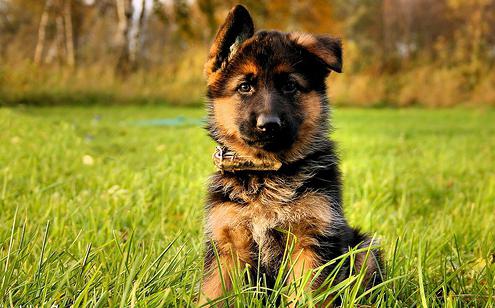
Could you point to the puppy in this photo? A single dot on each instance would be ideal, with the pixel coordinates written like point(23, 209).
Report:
point(278, 171)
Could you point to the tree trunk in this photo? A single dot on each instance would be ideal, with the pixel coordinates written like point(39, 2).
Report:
point(69, 37)
point(40, 44)
point(137, 36)
point(60, 40)
point(56, 52)
point(124, 13)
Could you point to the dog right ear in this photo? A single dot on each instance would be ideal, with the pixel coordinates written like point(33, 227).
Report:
point(325, 48)
point(237, 28)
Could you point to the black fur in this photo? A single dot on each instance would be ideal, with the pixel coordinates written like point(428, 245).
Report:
point(310, 163)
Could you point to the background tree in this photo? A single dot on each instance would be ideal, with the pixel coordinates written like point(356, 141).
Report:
point(58, 15)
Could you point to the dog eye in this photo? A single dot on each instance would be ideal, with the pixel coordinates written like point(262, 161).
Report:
point(244, 87)
point(289, 87)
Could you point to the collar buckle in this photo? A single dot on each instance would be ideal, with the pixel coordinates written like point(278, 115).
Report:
point(228, 160)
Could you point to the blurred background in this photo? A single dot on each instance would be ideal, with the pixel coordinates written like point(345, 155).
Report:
point(433, 53)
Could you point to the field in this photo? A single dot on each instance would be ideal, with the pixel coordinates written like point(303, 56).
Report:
point(99, 208)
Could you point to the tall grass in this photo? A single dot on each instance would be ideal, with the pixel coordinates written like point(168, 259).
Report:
point(183, 83)
point(179, 83)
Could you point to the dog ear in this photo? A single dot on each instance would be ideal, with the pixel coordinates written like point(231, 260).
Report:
point(237, 28)
point(326, 48)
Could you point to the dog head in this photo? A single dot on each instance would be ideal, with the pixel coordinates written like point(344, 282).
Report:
point(266, 90)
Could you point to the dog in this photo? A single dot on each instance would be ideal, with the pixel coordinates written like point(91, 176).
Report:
point(278, 171)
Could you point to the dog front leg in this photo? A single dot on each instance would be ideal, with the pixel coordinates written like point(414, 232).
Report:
point(217, 280)
point(231, 253)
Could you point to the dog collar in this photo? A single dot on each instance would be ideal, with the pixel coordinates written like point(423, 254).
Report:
point(228, 160)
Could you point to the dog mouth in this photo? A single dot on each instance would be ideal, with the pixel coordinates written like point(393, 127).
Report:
point(271, 141)
point(271, 144)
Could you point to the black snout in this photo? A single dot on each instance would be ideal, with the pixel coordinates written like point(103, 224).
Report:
point(268, 123)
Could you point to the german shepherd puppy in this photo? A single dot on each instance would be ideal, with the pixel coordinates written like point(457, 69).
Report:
point(268, 112)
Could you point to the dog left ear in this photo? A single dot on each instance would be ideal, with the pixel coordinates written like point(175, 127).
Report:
point(237, 28)
point(328, 49)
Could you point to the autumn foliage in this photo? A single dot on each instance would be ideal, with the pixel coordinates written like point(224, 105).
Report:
point(397, 52)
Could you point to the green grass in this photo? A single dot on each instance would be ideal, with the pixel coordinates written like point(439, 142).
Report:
point(98, 211)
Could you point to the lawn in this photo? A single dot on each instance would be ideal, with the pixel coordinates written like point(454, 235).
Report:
point(98, 208)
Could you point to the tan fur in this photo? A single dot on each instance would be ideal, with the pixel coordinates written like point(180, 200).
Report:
point(303, 261)
point(249, 67)
point(283, 68)
point(212, 284)
point(212, 77)
point(269, 202)
point(235, 226)
point(225, 112)
point(246, 68)
point(303, 39)
point(309, 129)
point(251, 215)
point(233, 241)
point(311, 44)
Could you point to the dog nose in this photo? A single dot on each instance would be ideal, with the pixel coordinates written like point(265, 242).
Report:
point(268, 123)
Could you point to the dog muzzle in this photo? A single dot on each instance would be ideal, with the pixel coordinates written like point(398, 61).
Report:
point(227, 160)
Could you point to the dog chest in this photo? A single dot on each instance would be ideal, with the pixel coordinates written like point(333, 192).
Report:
point(307, 216)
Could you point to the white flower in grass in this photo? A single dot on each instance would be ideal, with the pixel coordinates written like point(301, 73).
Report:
point(117, 192)
point(15, 140)
point(88, 160)
point(160, 148)
point(56, 196)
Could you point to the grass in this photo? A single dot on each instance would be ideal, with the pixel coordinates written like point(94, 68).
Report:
point(98, 211)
